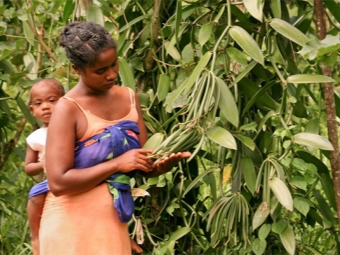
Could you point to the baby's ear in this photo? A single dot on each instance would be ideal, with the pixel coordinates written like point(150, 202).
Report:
point(31, 109)
point(76, 69)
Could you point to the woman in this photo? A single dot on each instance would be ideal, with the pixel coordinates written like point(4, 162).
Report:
point(78, 216)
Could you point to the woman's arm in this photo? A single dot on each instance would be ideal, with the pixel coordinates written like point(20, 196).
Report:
point(63, 178)
point(32, 166)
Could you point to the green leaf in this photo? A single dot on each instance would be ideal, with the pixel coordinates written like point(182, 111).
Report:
point(56, 5)
point(222, 137)
point(279, 226)
point(255, 8)
point(172, 51)
point(179, 233)
point(281, 192)
point(334, 8)
point(205, 33)
point(247, 141)
point(249, 173)
point(264, 231)
point(68, 10)
point(301, 205)
point(288, 239)
point(28, 33)
point(95, 15)
point(227, 103)
point(275, 5)
point(259, 246)
point(134, 21)
point(309, 78)
point(324, 207)
point(26, 112)
point(312, 140)
point(126, 73)
point(247, 43)
point(260, 215)
point(316, 48)
point(299, 182)
point(163, 87)
point(289, 31)
point(237, 55)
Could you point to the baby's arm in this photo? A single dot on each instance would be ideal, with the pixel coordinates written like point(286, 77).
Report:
point(32, 166)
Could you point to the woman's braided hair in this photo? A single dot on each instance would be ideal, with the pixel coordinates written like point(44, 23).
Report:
point(84, 41)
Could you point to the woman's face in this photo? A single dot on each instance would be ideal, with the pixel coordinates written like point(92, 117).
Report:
point(103, 74)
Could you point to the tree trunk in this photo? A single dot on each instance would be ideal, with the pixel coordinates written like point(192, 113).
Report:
point(330, 109)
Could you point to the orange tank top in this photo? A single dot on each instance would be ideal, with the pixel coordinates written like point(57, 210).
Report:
point(96, 125)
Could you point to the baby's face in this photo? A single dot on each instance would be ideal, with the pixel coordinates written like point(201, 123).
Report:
point(43, 99)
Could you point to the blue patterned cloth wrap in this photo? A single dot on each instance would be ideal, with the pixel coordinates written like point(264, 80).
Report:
point(112, 142)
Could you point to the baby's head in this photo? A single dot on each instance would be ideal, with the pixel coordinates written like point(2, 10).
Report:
point(43, 96)
point(84, 41)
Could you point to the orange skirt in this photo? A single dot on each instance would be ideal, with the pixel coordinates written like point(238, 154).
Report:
point(86, 224)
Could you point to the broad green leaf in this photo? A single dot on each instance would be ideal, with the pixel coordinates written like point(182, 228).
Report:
point(309, 78)
point(259, 246)
point(260, 215)
point(288, 239)
point(222, 137)
point(289, 31)
point(324, 207)
point(301, 205)
point(31, 66)
point(227, 103)
point(247, 141)
point(255, 8)
point(279, 226)
point(163, 87)
point(205, 33)
point(299, 182)
point(95, 15)
point(249, 173)
point(312, 140)
point(126, 74)
point(316, 48)
point(247, 43)
point(68, 10)
point(134, 21)
point(179, 233)
point(261, 92)
point(275, 5)
point(154, 141)
point(264, 231)
point(237, 55)
point(313, 126)
point(25, 111)
point(281, 192)
point(3, 27)
point(29, 34)
point(56, 5)
point(251, 89)
point(334, 8)
point(172, 51)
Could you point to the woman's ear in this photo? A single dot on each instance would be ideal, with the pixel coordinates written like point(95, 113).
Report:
point(76, 69)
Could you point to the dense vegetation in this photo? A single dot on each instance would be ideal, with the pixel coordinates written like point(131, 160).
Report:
point(253, 80)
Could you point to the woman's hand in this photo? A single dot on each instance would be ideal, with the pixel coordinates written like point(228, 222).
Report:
point(165, 165)
point(135, 159)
